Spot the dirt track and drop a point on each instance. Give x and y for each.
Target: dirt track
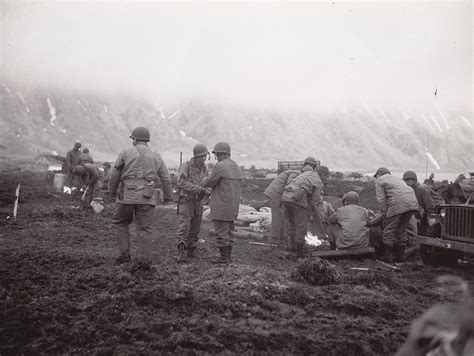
(60, 291)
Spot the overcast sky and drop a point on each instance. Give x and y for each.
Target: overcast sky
(317, 55)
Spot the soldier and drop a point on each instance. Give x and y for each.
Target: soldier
(90, 174)
(274, 192)
(352, 219)
(72, 160)
(133, 185)
(301, 194)
(225, 199)
(427, 199)
(106, 175)
(85, 157)
(190, 205)
(398, 206)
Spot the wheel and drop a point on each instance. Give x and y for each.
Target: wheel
(438, 256)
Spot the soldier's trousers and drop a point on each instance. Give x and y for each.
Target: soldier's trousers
(395, 229)
(279, 228)
(190, 218)
(297, 223)
(92, 191)
(223, 233)
(144, 216)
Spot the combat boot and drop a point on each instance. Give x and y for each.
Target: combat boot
(191, 252)
(181, 253)
(399, 255)
(291, 247)
(123, 258)
(224, 256)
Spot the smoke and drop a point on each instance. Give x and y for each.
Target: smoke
(305, 55)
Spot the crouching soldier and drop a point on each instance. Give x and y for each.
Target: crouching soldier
(225, 199)
(190, 206)
(89, 174)
(352, 220)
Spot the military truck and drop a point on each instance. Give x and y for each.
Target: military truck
(451, 238)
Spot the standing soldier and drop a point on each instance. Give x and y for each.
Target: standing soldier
(132, 183)
(300, 195)
(427, 199)
(72, 160)
(225, 199)
(398, 204)
(85, 157)
(190, 206)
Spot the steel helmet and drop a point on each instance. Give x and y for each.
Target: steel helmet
(222, 147)
(85, 150)
(200, 150)
(140, 133)
(350, 198)
(323, 170)
(311, 160)
(381, 171)
(79, 170)
(410, 175)
(77, 144)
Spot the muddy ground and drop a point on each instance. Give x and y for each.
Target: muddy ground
(61, 293)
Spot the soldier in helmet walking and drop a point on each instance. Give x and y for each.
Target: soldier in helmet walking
(132, 184)
(191, 195)
(225, 199)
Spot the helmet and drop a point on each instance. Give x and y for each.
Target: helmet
(140, 133)
(106, 164)
(222, 147)
(410, 175)
(381, 171)
(200, 150)
(85, 150)
(311, 160)
(323, 170)
(350, 198)
(77, 144)
(79, 170)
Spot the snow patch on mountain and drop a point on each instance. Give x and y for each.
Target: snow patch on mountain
(52, 111)
(23, 100)
(432, 159)
(466, 121)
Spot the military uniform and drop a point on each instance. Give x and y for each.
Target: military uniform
(93, 184)
(72, 160)
(274, 192)
(300, 195)
(428, 200)
(133, 183)
(225, 199)
(191, 195)
(399, 204)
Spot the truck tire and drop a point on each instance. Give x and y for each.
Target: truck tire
(436, 257)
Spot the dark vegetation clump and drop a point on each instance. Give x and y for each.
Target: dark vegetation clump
(317, 272)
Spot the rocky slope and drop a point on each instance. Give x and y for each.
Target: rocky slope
(35, 120)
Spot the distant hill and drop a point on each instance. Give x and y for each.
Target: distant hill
(37, 120)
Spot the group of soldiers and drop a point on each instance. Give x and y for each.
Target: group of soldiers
(295, 198)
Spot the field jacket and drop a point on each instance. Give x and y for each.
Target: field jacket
(353, 222)
(191, 193)
(224, 179)
(395, 196)
(275, 190)
(304, 190)
(135, 175)
(72, 159)
(427, 198)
